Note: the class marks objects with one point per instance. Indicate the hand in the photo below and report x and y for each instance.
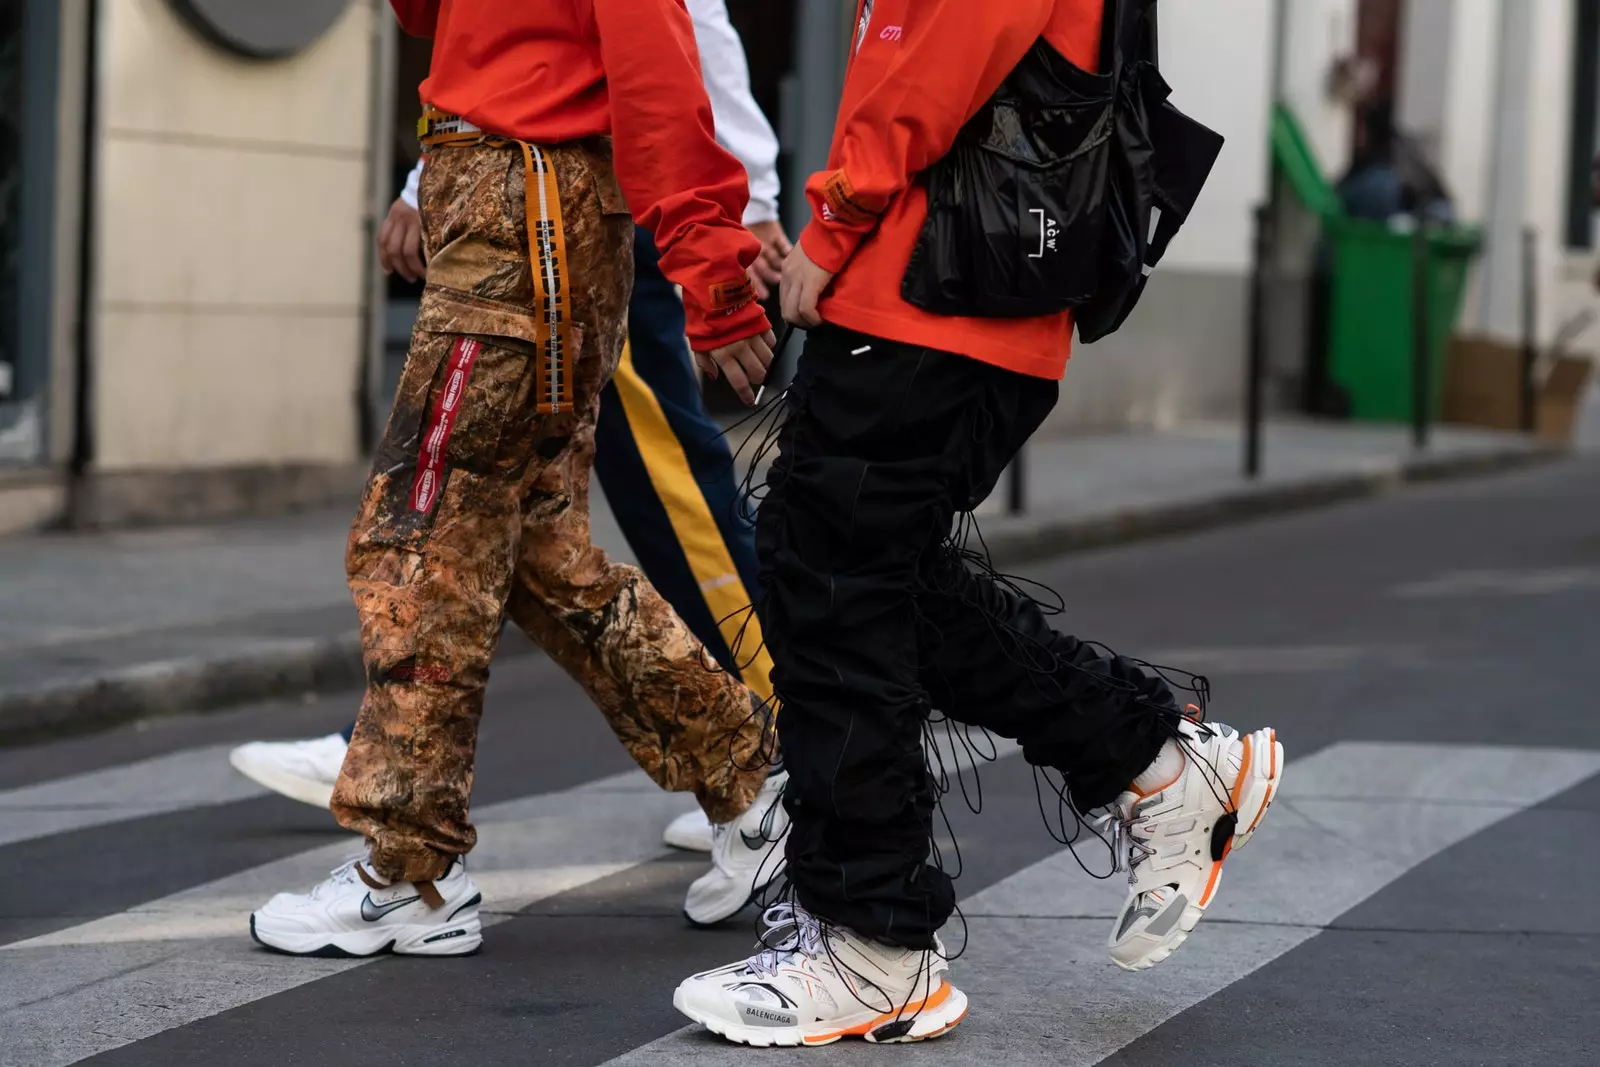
(767, 270)
(744, 364)
(803, 285)
(400, 242)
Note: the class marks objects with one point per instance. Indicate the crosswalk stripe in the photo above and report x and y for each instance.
(188, 956)
(193, 778)
(1350, 820)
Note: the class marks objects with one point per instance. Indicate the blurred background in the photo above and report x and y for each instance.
(192, 324)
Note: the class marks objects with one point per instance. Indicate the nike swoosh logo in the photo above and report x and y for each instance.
(755, 843)
(372, 912)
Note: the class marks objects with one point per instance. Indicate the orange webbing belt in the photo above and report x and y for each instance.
(547, 256)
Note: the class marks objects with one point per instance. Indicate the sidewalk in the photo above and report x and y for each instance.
(105, 627)
(1083, 492)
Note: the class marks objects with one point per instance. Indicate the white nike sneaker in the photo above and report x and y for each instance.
(690, 831)
(1174, 840)
(354, 913)
(821, 983)
(300, 770)
(746, 855)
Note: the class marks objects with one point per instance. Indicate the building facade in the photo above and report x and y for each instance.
(187, 290)
(192, 323)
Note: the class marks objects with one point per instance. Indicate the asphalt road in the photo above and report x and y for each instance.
(1422, 894)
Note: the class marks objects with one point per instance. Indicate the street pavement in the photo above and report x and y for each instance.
(97, 628)
(1421, 894)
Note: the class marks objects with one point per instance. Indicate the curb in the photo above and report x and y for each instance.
(288, 668)
(1046, 538)
(166, 687)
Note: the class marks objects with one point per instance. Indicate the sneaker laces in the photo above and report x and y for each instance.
(804, 938)
(1129, 846)
(342, 875)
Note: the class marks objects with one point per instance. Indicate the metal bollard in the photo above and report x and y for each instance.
(1530, 323)
(1421, 370)
(1256, 361)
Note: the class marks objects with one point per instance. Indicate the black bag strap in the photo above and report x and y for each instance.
(1111, 40)
(1125, 29)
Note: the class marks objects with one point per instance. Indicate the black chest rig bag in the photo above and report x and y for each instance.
(1064, 190)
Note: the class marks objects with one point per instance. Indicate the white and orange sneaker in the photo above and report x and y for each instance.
(1175, 838)
(820, 983)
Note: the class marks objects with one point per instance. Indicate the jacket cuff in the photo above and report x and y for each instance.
(827, 247)
(732, 314)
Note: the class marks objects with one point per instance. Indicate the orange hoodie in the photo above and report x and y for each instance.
(920, 70)
(560, 70)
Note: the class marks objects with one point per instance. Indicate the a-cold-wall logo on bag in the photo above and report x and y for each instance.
(1049, 230)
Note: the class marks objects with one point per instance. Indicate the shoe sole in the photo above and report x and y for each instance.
(924, 1022)
(461, 939)
(294, 786)
(1260, 775)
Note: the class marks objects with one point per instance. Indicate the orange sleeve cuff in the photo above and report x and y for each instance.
(840, 220)
(828, 249)
(726, 318)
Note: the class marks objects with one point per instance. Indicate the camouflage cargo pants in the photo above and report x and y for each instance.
(478, 505)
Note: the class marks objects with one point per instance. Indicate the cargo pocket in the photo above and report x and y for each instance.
(480, 388)
(463, 403)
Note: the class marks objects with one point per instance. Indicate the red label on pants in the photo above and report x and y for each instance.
(430, 461)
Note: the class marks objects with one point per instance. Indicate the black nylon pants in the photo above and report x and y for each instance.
(873, 619)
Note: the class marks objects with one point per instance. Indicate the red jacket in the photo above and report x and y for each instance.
(558, 70)
(920, 70)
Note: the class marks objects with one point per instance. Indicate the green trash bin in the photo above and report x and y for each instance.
(1367, 351)
(1371, 347)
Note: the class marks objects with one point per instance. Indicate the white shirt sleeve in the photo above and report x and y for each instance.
(741, 128)
(409, 193)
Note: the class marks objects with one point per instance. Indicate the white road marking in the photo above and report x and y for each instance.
(188, 956)
(193, 778)
(1352, 818)
(1529, 582)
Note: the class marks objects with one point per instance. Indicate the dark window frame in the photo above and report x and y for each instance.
(1585, 128)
